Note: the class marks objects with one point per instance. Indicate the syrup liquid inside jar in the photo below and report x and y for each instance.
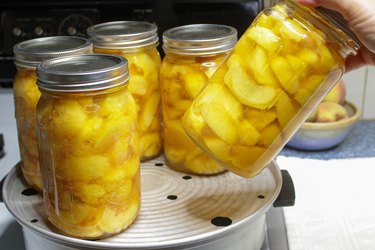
(137, 42)
(278, 72)
(193, 53)
(88, 144)
(28, 55)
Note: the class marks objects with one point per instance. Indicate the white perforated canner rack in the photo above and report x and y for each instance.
(178, 211)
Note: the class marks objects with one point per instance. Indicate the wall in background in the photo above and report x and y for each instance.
(360, 89)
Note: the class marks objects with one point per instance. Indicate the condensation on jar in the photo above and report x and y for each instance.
(28, 55)
(192, 54)
(280, 69)
(137, 42)
(89, 146)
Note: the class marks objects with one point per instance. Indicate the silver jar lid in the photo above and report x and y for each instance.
(82, 73)
(32, 52)
(123, 35)
(199, 39)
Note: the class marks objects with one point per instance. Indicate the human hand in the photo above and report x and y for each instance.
(360, 14)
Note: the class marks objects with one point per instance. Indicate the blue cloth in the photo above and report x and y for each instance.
(359, 143)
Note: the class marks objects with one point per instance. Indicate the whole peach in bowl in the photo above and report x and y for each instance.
(329, 125)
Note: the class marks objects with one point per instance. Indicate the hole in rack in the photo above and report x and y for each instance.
(29, 192)
(261, 196)
(34, 221)
(187, 177)
(159, 164)
(220, 221)
(172, 197)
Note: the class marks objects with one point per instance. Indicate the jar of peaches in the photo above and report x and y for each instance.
(280, 69)
(137, 42)
(28, 55)
(88, 144)
(192, 54)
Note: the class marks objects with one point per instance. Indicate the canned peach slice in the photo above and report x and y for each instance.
(244, 155)
(175, 155)
(269, 135)
(249, 135)
(88, 193)
(265, 38)
(139, 85)
(259, 118)
(292, 30)
(148, 112)
(68, 119)
(247, 91)
(141, 64)
(150, 143)
(194, 82)
(194, 121)
(114, 219)
(219, 93)
(285, 109)
(220, 122)
(88, 168)
(199, 162)
(285, 73)
(111, 131)
(217, 146)
(258, 64)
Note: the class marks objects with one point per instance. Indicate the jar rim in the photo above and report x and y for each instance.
(80, 73)
(32, 52)
(199, 39)
(333, 22)
(123, 34)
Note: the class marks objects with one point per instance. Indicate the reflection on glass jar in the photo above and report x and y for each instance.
(137, 41)
(88, 139)
(28, 55)
(193, 53)
(277, 73)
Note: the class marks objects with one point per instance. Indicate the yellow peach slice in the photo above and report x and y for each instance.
(221, 123)
(249, 135)
(264, 37)
(149, 111)
(247, 91)
(285, 109)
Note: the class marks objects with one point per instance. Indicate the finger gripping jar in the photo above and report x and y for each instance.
(192, 54)
(137, 42)
(278, 72)
(28, 55)
(88, 144)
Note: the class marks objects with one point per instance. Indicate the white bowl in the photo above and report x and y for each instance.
(324, 135)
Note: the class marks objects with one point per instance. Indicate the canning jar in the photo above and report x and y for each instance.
(192, 54)
(137, 42)
(28, 55)
(88, 144)
(280, 69)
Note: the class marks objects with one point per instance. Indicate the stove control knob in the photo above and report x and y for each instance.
(38, 31)
(17, 31)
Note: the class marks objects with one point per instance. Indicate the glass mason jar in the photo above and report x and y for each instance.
(88, 144)
(192, 54)
(137, 42)
(278, 72)
(28, 55)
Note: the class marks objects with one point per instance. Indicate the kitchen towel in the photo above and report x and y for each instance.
(335, 204)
